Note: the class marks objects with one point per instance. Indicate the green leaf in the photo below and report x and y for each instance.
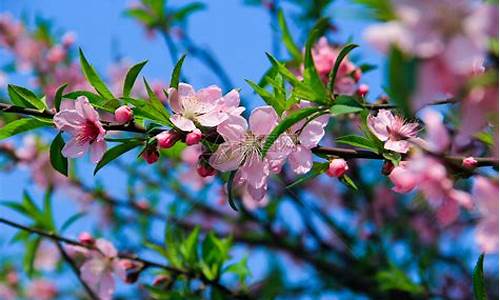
(402, 72)
(57, 160)
(131, 76)
(395, 279)
(286, 123)
(311, 76)
(156, 103)
(58, 96)
(316, 170)
(348, 182)
(240, 269)
(141, 15)
(214, 252)
(187, 10)
(394, 157)
(230, 195)
(176, 73)
(381, 10)
(267, 97)
(188, 247)
(478, 280)
(333, 73)
(93, 78)
(287, 38)
(30, 255)
(26, 96)
(21, 125)
(71, 220)
(115, 152)
(358, 141)
(340, 109)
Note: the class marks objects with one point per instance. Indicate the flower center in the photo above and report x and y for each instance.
(89, 133)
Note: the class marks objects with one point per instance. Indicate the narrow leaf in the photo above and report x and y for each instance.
(19, 126)
(131, 76)
(58, 96)
(27, 97)
(358, 141)
(115, 152)
(57, 160)
(93, 78)
(71, 220)
(267, 97)
(333, 73)
(176, 73)
(287, 38)
(478, 280)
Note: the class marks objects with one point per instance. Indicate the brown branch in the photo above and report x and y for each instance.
(394, 106)
(146, 263)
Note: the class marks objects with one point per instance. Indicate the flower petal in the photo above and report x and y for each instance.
(301, 160)
(85, 109)
(311, 134)
(106, 248)
(97, 150)
(263, 120)
(233, 129)
(173, 100)
(182, 123)
(212, 119)
(227, 157)
(74, 149)
(397, 146)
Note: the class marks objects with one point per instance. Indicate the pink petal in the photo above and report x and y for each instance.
(91, 271)
(106, 286)
(85, 109)
(74, 149)
(185, 90)
(448, 212)
(311, 134)
(212, 118)
(209, 94)
(231, 99)
(119, 269)
(67, 105)
(262, 120)
(69, 120)
(97, 150)
(106, 248)
(233, 129)
(182, 123)
(173, 101)
(255, 171)
(257, 193)
(378, 124)
(487, 235)
(227, 157)
(301, 160)
(397, 146)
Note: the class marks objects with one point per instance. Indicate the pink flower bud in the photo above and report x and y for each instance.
(469, 162)
(362, 90)
(160, 279)
(68, 39)
(337, 168)
(387, 167)
(86, 239)
(193, 137)
(123, 114)
(151, 156)
(167, 139)
(143, 205)
(205, 170)
(56, 54)
(356, 75)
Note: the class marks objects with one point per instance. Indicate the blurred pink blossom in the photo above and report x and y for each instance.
(41, 289)
(485, 195)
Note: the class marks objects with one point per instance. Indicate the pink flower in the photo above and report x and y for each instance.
(403, 179)
(81, 121)
(337, 168)
(242, 147)
(393, 130)
(123, 114)
(151, 155)
(429, 176)
(324, 57)
(469, 162)
(41, 289)
(205, 107)
(306, 135)
(437, 139)
(7, 293)
(98, 269)
(485, 194)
